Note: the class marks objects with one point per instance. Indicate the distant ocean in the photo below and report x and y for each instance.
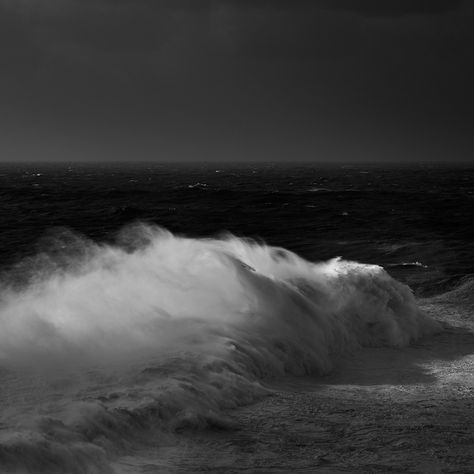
(138, 302)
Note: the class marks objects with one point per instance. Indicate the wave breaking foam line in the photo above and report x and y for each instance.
(191, 326)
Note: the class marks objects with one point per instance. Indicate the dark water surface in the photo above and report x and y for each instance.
(418, 215)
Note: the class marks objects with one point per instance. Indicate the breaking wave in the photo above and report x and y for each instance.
(160, 333)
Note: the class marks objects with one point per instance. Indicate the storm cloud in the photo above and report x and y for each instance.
(83, 79)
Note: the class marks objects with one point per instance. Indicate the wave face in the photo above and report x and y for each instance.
(159, 333)
(462, 295)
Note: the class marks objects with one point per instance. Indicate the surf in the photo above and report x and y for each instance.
(161, 332)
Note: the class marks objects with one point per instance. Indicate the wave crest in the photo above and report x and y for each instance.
(174, 330)
(147, 294)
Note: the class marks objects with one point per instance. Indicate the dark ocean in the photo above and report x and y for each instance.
(416, 216)
(139, 301)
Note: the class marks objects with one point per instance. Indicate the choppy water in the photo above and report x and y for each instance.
(127, 316)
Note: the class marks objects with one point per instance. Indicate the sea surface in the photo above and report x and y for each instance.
(141, 302)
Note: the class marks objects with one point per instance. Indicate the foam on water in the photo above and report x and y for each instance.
(160, 333)
(461, 295)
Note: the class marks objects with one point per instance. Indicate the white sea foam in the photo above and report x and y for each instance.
(180, 329)
(114, 302)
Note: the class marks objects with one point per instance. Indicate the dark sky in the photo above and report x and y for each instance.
(223, 80)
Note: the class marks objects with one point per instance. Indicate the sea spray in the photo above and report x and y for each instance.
(160, 333)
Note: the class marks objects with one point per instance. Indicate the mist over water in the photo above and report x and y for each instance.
(171, 290)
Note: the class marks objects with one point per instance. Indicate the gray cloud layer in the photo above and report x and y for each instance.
(200, 78)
